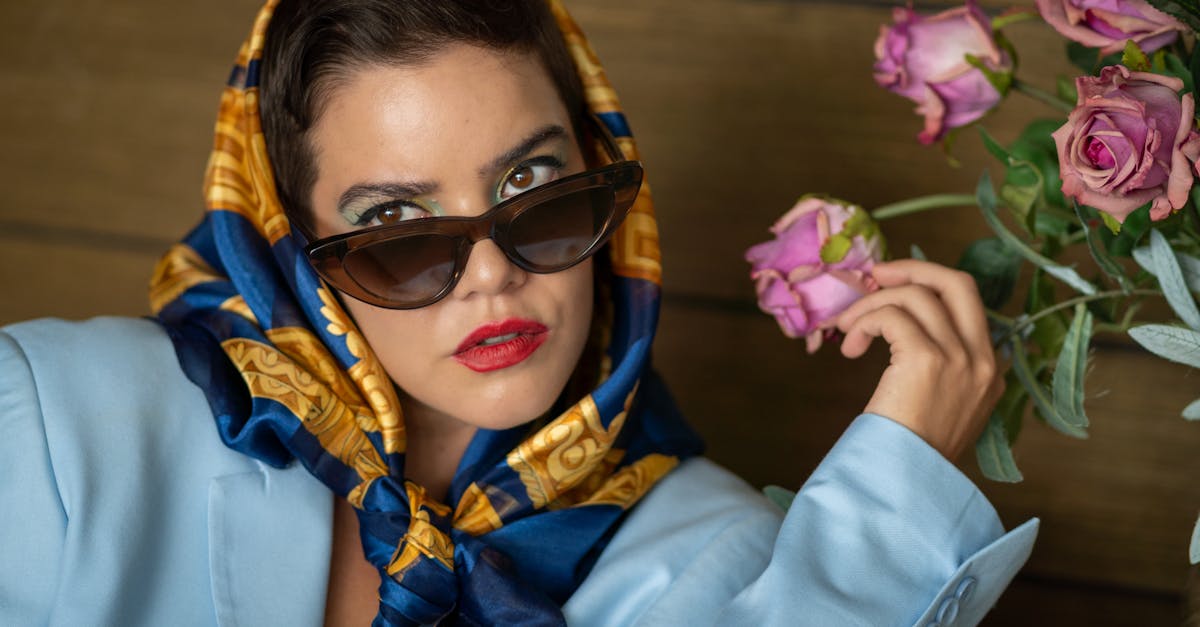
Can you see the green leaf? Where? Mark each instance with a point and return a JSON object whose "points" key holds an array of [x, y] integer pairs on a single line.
{"points": [[1023, 182], [1186, 11], [1132, 230], [1012, 406], [1049, 331], [780, 496], [1194, 549], [1039, 394], [1023, 200], [1133, 57], [1089, 59], [947, 145], [1170, 278], [1192, 411], [1113, 225], [986, 197], [1158, 63], [1035, 146], [993, 453], [1194, 65], [1176, 67], [835, 248], [1189, 265], [1100, 254], [1174, 343], [1082, 57], [1191, 270], [1071, 367], [998, 151], [1065, 89], [995, 267], [915, 252], [1001, 80]]}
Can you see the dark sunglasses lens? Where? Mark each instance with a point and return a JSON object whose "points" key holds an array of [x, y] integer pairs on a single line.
{"points": [[403, 270], [557, 232]]}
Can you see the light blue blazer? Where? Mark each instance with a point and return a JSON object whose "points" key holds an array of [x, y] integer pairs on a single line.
{"points": [[119, 505]]}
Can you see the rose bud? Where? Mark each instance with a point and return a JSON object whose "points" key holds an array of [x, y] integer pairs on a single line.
{"points": [[1108, 24], [1128, 142], [924, 60], [818, 264]]}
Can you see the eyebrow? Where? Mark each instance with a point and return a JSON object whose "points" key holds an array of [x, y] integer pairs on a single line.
{"points": [[535, 139], [419, 188], [388, 190]]}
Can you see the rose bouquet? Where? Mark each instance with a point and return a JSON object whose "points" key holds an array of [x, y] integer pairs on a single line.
{"points": [[1108, 176]]}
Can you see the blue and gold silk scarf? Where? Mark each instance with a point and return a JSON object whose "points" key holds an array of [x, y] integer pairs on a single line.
{"points": [[290, 377]]}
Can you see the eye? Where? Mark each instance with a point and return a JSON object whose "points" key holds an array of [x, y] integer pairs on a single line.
{"points": [[393, 212], [529, 175]]}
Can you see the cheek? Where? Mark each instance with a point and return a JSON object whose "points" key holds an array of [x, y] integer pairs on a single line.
{"points": [[390, 332], [577, 288]]}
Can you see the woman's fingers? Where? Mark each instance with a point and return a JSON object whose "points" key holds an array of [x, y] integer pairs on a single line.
{"points": [[940, 381], [923, 305], [956, 289], [895, 324]]}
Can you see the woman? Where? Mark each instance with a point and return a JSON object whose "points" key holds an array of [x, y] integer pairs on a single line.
{"points": [[404, 293]]}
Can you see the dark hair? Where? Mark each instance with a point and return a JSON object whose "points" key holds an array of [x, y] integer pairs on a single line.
{"points": [[312, 45]]}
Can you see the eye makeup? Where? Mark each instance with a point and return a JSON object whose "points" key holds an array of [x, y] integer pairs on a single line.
{"points": [[369, 204], [361, 199], [392, 211], [537, 170]]}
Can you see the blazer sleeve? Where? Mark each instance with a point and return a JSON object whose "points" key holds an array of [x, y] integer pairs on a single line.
{"points": [[885, 532], [32, 519]]}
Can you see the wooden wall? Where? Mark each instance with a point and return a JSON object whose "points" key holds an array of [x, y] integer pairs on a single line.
{"points": [[740, 106]]}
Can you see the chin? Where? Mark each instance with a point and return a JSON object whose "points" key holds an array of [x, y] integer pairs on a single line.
{"points": [[514, 403]]}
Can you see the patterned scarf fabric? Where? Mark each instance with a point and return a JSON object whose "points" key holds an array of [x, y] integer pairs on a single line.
{"points": [[290, 377]]}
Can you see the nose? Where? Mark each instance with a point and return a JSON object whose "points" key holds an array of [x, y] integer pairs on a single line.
{"points": [[488, 272]]}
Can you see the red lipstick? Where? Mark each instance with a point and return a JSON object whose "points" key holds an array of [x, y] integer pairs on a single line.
{"points": [[497, 345]]}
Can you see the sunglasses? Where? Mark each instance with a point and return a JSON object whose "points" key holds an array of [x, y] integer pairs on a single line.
{"points": [[549, 228]]}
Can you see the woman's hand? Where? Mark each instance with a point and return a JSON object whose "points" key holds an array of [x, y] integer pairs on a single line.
{"points": [[941, 382]]}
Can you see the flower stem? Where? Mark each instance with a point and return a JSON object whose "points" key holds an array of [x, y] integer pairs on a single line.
{"points": [[999, 318], [922, 203], [1014, 15], [1067, 304], [1042, 96]]}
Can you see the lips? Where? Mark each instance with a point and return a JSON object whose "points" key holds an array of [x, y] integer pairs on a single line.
{"points": [[498, 345]]}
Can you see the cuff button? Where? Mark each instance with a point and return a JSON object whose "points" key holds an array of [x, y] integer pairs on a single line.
{"points": [[965, 589]]}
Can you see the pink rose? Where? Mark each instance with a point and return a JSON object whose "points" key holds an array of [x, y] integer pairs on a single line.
{"points": [[924, 60], [1128, 142], [817, 265], [1108, 24]]}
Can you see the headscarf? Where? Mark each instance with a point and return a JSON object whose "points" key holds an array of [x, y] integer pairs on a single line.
{"points": [[289, 377]]}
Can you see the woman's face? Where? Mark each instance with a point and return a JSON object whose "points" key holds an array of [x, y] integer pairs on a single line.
{"points": [[453, 136]]}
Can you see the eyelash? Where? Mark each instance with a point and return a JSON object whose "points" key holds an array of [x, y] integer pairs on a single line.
{"points": [[370, 214], [366, 217]]}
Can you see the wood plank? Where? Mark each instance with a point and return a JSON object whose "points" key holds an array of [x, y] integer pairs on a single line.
{"points": [[65, 279], [109, 108], [1031, 601]]}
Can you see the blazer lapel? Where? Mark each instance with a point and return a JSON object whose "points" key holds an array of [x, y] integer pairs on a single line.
{"points": [[269, 535]]}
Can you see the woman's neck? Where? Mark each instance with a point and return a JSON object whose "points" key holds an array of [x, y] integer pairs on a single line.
{"points": [[436, 444]]}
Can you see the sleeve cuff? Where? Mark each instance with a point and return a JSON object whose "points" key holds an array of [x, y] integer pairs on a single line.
{"points": [[880, 464]]}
